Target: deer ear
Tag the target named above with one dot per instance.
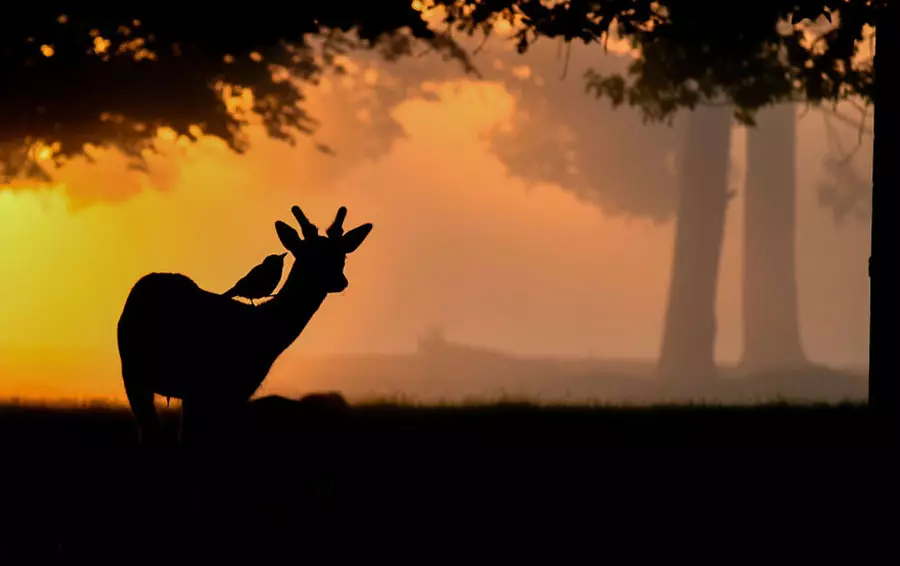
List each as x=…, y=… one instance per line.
x=288, y=236
x=352, y=239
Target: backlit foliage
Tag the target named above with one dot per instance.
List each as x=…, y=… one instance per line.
x=82, y=74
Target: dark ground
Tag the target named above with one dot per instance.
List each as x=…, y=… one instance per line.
x=781, y=482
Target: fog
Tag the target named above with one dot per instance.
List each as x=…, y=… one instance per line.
x=527, y=262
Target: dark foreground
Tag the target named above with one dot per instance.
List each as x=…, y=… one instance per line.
x=786, y=483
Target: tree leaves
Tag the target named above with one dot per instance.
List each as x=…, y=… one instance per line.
x=811, y=12
x=746, y=61
x=113, y=77
x=147, y=69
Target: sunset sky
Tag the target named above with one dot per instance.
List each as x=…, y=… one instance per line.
x=531, y=270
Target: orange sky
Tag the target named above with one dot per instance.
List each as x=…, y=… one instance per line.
x=455, y=242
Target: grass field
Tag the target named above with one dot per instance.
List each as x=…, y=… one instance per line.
x=385, y=480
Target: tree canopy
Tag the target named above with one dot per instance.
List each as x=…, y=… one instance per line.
x=82, y=74
x=750, y=59
x=87, y=74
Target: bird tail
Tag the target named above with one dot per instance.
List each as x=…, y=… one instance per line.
x=230, y=293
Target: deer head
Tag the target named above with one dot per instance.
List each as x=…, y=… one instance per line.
x=322, y=258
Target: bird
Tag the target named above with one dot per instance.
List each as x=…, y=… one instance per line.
x=260, y=281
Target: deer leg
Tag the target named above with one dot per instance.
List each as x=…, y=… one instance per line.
x=140, y=398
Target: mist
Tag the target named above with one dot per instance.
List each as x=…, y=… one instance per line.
x=563, y=263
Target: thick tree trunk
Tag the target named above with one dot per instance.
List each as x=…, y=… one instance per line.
x=771, y=317
x=689, y=335
x=884, y=282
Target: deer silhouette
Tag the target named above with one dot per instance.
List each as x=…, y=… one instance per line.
x=212, y=352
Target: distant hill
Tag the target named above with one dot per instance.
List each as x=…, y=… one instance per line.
x=444, y=371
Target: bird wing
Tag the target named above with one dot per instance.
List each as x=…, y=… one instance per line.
x=274, y=278
x=246, y=283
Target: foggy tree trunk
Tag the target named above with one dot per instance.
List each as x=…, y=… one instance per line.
x=884, y=279
x=771, y=316
x=689, y=334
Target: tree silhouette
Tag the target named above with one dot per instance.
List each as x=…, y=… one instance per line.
x=772, y=338
x=611, y=158
x=608, y=157
x=845, y=190
x=85, y=77
x=774, y=52
x=758, y=59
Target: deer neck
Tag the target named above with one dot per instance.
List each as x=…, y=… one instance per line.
x=285, y=316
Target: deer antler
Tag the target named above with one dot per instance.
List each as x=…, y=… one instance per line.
x=308, y=228
x=336, y=230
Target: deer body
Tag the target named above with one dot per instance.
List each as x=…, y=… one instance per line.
x=178, y=340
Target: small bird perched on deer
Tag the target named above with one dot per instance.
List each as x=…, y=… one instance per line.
x=260, y=281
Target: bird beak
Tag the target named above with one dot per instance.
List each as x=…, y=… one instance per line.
x=282, y=256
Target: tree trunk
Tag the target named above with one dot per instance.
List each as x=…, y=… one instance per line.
x=884, y=278
x=689, y=335
x=771, y=316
